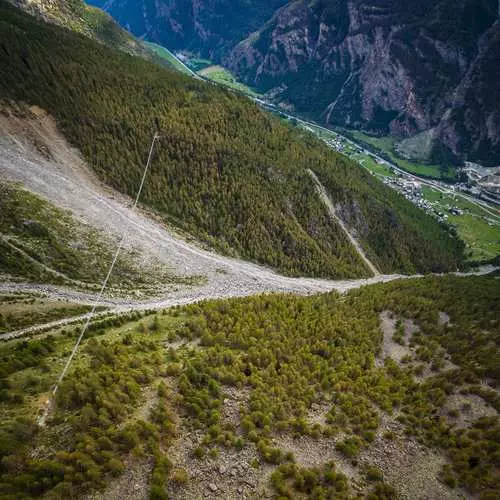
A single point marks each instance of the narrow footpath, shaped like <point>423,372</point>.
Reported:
<point>331,210</point>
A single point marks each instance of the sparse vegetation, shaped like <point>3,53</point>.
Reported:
<point>289,353</point>
<point>289,480</point>
<point>19,311</point>
<point>45,244</point>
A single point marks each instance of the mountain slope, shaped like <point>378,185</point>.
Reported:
<point>224,170</point>
<point>89,21</point>
<point>472,122</point>
<point>384,66</point>
<point>387,67</point>
<point>41,243</point>
<point>210,27</point>
<point>303,386</point>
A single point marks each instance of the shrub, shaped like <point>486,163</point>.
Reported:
<point>383,491</point>
<point>349,447</point>
<point>179,477</point>
<point>374,473</point>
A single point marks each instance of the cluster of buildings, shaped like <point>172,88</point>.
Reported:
<point>482,182</point>
<point>412,191</point>
<point>479,182</point>
<point>336,144</point>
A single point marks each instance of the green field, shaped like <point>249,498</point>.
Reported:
<point>222,76</point>
<point>197,64</point>
<point>22,310</point>
<point>386,145</point>
<point>479,231</point>
<point>370,164</point>
<point>168,56</point>
<point>204,67</point>
<point>482,238</point>
<point>455,200</point>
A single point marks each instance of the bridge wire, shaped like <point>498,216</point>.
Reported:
<point>103,287</point>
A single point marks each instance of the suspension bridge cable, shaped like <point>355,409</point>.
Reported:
<point>103,286</point>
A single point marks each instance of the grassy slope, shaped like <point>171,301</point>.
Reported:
<point>167,56</point>
<point>221,75</point>
<point>287,354</point>
<point>22,310</point>
<point>225,171</point>
<point>480,232</point>
<point>90,21</point>
<point>55,240</point>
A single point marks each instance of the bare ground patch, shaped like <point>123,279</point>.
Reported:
<point>317,414</point>
<point>133,484</point>
<point>390,348</point>
<point>311,452</point>
<point>224,472</point>
<point>461,410</point>
<point>234,398</point>
<point>443,319</point>
<point>411,468</point>
<point>229,474</point>
<point>402,351</point>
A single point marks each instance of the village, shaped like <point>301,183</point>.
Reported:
<point>409,185</point>
<point>412,191</point>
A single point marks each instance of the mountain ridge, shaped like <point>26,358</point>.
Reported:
<point>376,65</point>
<point>90,21</point>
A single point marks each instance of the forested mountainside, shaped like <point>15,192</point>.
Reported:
<point>224,170</point>
<point>422,68</point>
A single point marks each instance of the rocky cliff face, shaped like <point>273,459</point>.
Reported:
<point>423,70</point>
<point>386,66</point>
<point>208,27</point>
<point>472,122</point>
